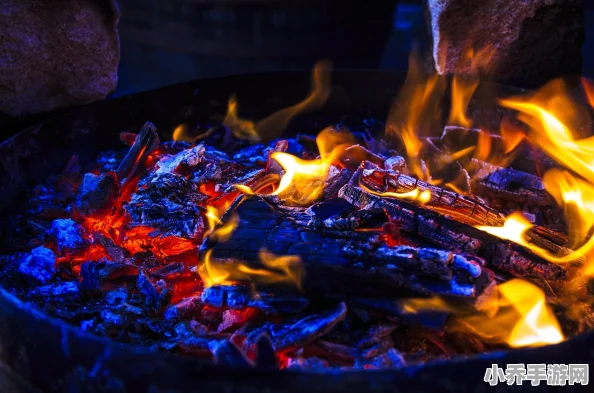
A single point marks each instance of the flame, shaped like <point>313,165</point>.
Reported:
<point>517,315</point>
<point>303,181</point>
<point>462,90</point>
<point>423,197</point>
<point>552,117</point>
<point>276,269</point>
<point>511,135</point>
<point>513,229</point>
<point>241,128</point>
<point>416,112</point>
<point>274,125</point>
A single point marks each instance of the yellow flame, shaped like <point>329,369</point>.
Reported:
<point>552,117</point>
<point>511,135</point>
<point>462,90</point>
<point>274,125</point>
<point>517,315</point>
<point>286,269</point>
<point>303,180</point>
<point>416,195</point>
<point>181,133</point>
<point>416,112</point>
<point>240,128</point>
<point>513,229</point>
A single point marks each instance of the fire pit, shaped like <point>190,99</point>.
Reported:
<point>372,256</point>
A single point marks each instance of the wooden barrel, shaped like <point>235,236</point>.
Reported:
<point>171,41</point>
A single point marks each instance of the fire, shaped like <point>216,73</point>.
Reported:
<point>513,229</point>
<point>552,117</point>
<point>462,90</point>
<point>275,269</point>
<point>303,180</point>
<point>518,316</point>
<point>241,129</point>
<point>416,112</point>
<point>274,125</point>
<point>422,197</point>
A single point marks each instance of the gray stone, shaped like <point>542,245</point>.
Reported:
<point>525,42</point>
<point>57,53</point>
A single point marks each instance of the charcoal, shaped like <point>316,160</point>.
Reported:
<point>309,328</point>
<point>113,318</point>
<point>145,142</point>
<point>198,329</point>
<point>182,161</point>
<point>169,271</point>
<point>39,266</point>
<point>117,296</point>
<point>329,208</point>
<point>254,154</point>
<point>354,155</point>
<point>226,353</point>
<point>103,276</point>
<point>156,294</point>
<point>265,356</point>
<point>374,335</point>
<point>182,309</point>
<point>272,166</point>
<point>59,289</point>
<point>240,296</point>
<point>396,164</point>
<point>97,193</point>
<point>232,318</point>
<point>168,202</point>
<point>116,253</point>
<point>68,235</point>
<point>311,363</point>
<point>381,347</point>
<point>334,183</point>
<point>508,184</point>
<point>391,359</point>
<point>198,346</point>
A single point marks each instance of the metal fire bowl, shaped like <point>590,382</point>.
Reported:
<point>39,353</point>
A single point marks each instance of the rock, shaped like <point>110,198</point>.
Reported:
<point>57,53</point>
<point>68,234</point>
<point>39,265</point>
<point>523,43</point>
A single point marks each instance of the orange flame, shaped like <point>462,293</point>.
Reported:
<point>462,90</point>
<point>551,115</point>
<point>422,197</point>
<point>274,125</point>
<point>276,269</point>
<point>416,112</point>
<point>303,181</point>
<point>518,316</point>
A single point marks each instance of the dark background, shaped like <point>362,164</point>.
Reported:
<point>166,42</point>
<point>150,62</point>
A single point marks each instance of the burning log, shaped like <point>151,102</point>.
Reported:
<point>449,234</point>
<point>333,259</point>
<point>461,208</point>
<point>508,184</point>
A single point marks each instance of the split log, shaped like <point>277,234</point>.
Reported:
<point>464,209</point>
<point>452,235</point>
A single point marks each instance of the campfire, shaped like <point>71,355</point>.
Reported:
<point>347,249</point>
